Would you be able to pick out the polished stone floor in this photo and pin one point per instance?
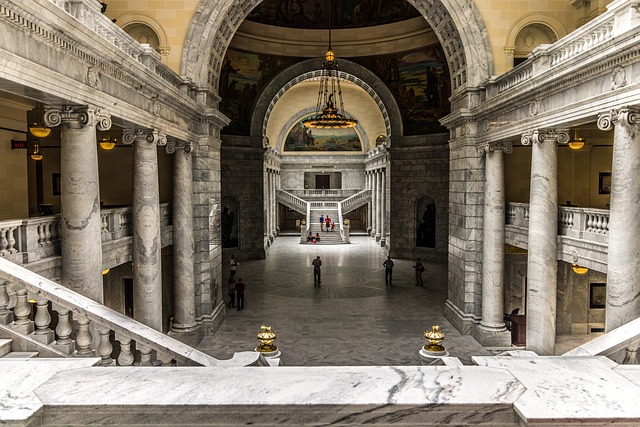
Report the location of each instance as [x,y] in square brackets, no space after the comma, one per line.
[354,318]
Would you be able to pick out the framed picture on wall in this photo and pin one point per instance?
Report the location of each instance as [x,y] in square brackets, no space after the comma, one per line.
[597,295]
[55,180]
[604,183]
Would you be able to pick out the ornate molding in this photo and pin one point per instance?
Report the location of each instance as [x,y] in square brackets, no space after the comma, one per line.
[559,136]
[618,77]
[490,147]
[147,135]
[174,145]
[76,117]
[623,116]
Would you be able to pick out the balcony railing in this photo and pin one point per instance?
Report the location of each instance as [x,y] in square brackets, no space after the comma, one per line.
[32,239]
[334,193]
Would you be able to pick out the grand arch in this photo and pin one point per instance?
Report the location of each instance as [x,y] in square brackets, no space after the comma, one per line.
[348,71]
[456,23]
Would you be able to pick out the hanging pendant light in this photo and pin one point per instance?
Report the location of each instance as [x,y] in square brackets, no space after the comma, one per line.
[577,142]
[35,122]
[36,155]
[330,107]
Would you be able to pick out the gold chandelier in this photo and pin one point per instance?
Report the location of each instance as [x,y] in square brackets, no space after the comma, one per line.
[330,108]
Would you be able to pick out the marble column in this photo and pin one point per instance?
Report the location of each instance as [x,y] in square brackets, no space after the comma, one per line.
[378,204]
[80,197]
[623,278]
[492,332]
[370,204]
[383,205]
[183,245]
[268,206]
[374,203]
[147,245]
[542,263]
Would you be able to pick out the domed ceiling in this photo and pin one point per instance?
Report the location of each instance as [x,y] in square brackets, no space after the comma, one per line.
[314,14]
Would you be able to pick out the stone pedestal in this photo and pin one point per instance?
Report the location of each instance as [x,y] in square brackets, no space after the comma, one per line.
[428,358]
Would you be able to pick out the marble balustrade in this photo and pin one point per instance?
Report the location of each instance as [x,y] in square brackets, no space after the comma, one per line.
[136,343]
[355,201]
[333,193]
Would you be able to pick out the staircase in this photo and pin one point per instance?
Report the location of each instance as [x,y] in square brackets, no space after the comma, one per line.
[326,237]
[7,353]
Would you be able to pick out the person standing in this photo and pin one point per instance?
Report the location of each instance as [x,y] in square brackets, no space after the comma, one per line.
[240,294]
[327,222]
[233,265]
[321,222]
[317,263]
[232,293]
[388,270]
[419,267]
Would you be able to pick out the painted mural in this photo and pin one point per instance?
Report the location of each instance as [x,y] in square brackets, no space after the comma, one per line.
[242,77]
[314,14]
[419,81]
[303,139]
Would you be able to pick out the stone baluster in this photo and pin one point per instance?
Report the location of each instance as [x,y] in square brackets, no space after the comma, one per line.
[542,264]
[4,243]
[6,316]
[145,355]
[165,358]
[146,257]
[104,346]
[21,313]
[183,239]
[492,331]
[84,337]
[623,278]
[64,329]
[42,320]
[125,358]
[80,219]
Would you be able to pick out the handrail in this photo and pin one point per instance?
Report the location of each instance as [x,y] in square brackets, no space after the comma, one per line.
[104,317]
[625,336]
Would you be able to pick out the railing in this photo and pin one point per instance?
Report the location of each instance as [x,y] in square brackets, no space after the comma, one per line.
[32,239]
[291,200]
[323,205]
[355,201]
[122,341]
[625,337]
[579,223]
[335,193]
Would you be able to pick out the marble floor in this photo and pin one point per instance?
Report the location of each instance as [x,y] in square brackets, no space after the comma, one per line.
[353,319]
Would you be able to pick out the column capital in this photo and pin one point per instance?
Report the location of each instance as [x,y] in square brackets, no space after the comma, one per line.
[152,136]
[173,145]
[77,117]
[624,116]
[538,136]
[490,147]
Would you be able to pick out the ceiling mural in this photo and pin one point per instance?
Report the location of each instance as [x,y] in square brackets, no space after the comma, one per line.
[418,79]
[302,139]
[314,14]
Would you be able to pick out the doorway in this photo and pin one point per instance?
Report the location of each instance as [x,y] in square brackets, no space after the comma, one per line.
[323,182]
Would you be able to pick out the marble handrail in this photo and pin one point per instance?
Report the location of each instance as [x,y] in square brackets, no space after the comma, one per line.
[27,284]
[355,201]
[626,336]
[340,193]
[32,239]
[291,200]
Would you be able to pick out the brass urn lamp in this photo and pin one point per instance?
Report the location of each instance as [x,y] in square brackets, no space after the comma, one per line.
[266,337]
[434,337]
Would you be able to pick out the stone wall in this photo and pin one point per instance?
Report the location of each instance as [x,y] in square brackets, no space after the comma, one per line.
[418,166]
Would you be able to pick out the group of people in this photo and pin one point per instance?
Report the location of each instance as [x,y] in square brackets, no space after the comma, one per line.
[313,239]
[326,224]
[236,288]
[388,271]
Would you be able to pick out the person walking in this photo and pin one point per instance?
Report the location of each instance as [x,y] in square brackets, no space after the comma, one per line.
[240,294]
[321,222]
[317,263]
[388,270]
[232,293]
[233,265]
[419,267]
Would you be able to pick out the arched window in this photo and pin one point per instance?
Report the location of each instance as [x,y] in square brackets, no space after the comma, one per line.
[426,222]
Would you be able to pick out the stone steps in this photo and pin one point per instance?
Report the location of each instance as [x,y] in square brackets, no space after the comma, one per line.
[6,353]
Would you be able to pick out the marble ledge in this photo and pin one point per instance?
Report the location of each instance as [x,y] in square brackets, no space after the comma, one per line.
[572,389]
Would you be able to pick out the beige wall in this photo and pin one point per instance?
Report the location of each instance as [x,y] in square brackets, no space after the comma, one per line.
[13,163]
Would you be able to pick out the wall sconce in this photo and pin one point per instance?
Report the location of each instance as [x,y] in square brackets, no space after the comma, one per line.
[35,122]
[36,155]
[577,142]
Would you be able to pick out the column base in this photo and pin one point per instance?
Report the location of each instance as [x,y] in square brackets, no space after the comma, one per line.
[66,348]
[46,338]
[23,328]
[463,322]
[378,237]
[429,358]
[190,336]
[6,318]
[492,336]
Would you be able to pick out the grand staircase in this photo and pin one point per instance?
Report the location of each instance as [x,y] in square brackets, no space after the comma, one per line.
[326,237]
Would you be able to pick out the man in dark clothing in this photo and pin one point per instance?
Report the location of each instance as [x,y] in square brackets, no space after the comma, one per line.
[316,271]
[240,294]
[419,267]
[388,270]
[321,222]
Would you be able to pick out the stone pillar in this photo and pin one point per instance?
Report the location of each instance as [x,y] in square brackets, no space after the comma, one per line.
[80,197]
[374,203]
[146,256]
[273,204]
[278,187]
[370,204]
[383,205]
[378,204]
[183,246]
[492,332]
[623,278]
[542,264]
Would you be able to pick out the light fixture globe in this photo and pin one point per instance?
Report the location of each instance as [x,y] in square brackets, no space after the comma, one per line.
[35,122]
[578,269]
[36,155]
[577,142]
